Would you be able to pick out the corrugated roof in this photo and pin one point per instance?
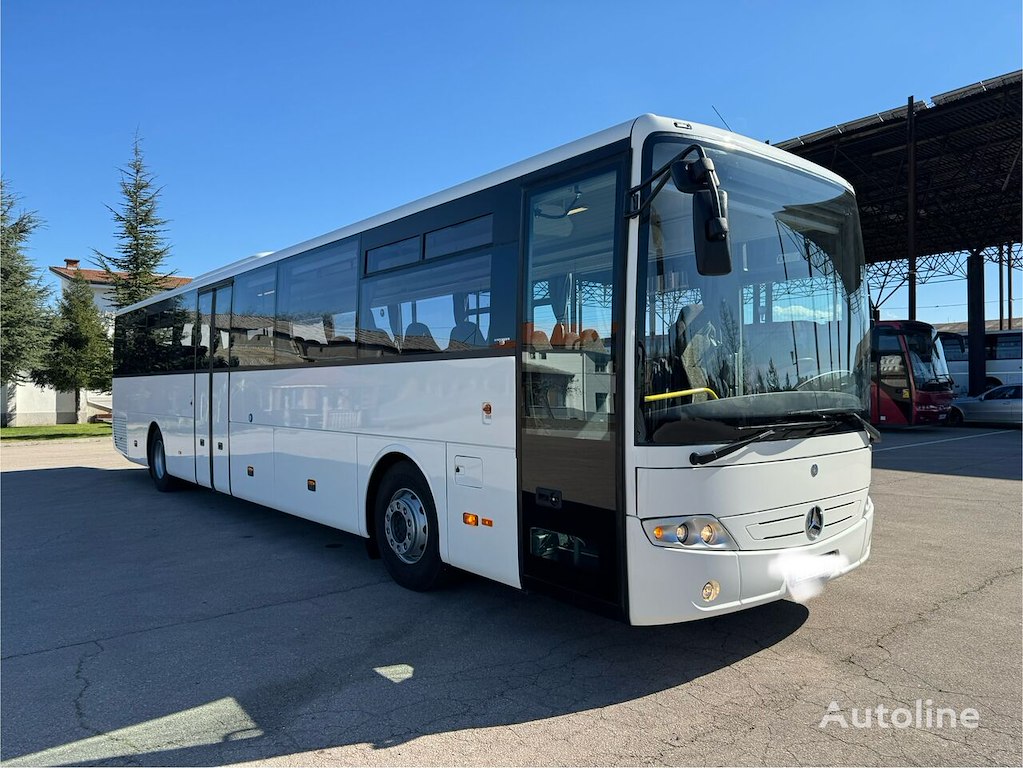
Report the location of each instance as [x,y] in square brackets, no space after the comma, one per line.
[968,181]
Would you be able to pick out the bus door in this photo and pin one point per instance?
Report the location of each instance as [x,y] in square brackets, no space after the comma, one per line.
[891,380]
[570,533]
[212,360]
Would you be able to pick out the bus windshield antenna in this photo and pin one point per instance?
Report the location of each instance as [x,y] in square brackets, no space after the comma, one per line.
[721,118]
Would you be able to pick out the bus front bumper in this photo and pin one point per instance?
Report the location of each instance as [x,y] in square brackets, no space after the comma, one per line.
[666,585]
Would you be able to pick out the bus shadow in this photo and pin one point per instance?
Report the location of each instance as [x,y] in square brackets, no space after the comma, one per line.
[211,630]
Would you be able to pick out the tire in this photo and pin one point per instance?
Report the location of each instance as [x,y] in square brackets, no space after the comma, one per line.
[158,464]
[955,418]
[405,522]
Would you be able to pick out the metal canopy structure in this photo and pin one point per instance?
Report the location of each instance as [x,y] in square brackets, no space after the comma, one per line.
[967,167]
[958,159]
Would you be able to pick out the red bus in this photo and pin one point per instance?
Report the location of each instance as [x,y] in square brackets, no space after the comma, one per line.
[909,383]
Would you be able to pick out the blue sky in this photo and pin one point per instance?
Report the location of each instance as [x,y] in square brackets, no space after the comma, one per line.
[268,123]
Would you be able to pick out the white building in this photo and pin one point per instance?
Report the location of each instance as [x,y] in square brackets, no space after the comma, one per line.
[26,405]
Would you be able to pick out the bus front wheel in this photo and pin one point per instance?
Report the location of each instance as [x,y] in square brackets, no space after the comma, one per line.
[405,521]
[158,463]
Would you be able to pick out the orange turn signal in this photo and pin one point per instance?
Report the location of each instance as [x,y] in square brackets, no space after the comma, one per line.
[487,522]
[658,533]
[470,519]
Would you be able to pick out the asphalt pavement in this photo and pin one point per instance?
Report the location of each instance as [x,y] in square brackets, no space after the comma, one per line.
[191,628]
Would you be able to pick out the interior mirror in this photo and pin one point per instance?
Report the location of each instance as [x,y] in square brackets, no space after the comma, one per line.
[710,233]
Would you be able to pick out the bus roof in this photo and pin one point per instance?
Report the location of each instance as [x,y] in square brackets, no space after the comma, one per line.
[640,126]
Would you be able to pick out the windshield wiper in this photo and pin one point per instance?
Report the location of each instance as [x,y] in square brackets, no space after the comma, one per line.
[783,428]
[824,419]
[852,417]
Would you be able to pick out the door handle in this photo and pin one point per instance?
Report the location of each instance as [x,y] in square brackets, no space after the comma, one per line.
[548,497]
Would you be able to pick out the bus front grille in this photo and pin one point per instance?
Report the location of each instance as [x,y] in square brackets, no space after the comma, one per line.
[787,526]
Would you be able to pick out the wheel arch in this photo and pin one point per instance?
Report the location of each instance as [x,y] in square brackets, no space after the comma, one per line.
[387,459]
[153,429]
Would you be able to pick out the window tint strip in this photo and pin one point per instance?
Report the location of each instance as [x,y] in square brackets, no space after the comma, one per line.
[393,255]
[460,237]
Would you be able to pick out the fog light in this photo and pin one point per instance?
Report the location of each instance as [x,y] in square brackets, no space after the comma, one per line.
[708,534]
[682,533]
[711,590]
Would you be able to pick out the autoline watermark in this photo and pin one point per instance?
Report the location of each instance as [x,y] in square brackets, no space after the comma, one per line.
[924,714]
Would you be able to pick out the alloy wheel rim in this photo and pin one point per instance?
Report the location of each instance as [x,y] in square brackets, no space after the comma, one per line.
[406,527]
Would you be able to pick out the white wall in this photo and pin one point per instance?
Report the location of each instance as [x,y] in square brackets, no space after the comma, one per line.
[26,405]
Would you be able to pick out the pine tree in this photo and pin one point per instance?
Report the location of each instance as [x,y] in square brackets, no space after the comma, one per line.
[24,322]
[135,270]
[80,354]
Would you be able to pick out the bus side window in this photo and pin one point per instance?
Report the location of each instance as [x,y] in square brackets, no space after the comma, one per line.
[316,305]
[252,317]
[1005,346]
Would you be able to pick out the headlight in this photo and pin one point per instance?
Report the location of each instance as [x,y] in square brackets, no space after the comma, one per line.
[694,531]
[682,533]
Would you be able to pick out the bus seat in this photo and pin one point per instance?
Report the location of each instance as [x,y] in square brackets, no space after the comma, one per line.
[562,337]
[418,338]
[684,327]
[465,335]
[590,339]
[694,357]
[538,340]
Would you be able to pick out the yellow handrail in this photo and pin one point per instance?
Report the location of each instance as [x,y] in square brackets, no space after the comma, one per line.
[681,393]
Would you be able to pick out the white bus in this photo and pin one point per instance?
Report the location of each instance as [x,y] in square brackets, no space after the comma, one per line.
[631,372]
[1003,353]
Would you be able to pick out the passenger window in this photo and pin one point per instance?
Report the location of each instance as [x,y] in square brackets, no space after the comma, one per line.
[438,307]
[394,255]
[461,237]
[129,343]
[1008,346]
[252,317]
[167,337]
[316,307]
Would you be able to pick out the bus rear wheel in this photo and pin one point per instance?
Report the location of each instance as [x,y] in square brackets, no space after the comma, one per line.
[158,463]
[405,522]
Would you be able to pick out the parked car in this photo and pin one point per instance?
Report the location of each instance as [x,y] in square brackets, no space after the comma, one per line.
[1003,405]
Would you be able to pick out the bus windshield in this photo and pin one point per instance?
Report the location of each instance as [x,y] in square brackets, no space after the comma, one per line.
[930,371]
[786,332]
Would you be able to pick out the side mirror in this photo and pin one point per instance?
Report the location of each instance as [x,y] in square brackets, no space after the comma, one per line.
[710,222]
[710,233]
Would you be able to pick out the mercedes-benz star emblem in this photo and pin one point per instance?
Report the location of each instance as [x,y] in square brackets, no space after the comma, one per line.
[814,523]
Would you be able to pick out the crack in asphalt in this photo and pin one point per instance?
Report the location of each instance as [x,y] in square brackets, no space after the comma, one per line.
[80,714]
[197,620]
